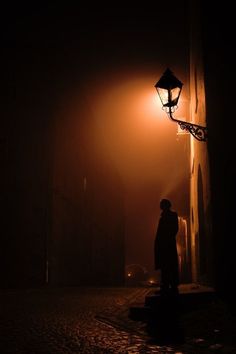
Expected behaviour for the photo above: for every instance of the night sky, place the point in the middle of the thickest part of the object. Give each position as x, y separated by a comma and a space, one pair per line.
112, 55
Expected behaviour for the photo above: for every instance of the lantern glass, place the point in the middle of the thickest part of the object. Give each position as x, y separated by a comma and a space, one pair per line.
163, 94
174, 96
169, 89
169, 98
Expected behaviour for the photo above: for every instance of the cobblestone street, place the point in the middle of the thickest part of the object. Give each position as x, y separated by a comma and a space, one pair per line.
93, 320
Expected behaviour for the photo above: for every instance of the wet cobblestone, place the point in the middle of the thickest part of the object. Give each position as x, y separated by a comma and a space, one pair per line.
71, 321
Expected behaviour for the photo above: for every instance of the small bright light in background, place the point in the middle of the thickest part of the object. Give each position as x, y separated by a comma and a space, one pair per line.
136, 272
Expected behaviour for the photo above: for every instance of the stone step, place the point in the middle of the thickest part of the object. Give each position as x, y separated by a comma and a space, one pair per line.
139, 312
189, 298
185, 300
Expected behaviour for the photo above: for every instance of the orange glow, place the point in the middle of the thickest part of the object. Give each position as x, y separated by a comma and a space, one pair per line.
146, 104
132, 128
132, 131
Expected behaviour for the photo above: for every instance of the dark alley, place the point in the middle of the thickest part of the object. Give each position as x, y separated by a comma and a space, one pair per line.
117, 213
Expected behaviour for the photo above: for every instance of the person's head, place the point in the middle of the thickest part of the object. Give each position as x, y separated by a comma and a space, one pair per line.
165, 204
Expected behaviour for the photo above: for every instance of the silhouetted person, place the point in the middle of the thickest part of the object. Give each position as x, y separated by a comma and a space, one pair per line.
166, 257
163, 325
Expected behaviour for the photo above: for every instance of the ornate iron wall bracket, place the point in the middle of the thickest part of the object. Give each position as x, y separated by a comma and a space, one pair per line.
199, 132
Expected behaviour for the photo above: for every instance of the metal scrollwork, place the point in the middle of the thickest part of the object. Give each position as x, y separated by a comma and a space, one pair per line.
199, 132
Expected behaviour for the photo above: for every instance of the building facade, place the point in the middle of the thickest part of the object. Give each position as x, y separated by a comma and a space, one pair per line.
212, 163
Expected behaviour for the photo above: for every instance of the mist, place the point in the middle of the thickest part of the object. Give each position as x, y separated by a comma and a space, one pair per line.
131, 129
104, 64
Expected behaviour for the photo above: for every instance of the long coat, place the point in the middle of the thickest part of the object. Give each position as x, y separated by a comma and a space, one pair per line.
165, 249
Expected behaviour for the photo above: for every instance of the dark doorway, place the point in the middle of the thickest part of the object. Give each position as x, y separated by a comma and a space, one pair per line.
202, 262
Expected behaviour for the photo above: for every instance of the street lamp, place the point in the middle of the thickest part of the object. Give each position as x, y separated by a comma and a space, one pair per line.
169, 90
